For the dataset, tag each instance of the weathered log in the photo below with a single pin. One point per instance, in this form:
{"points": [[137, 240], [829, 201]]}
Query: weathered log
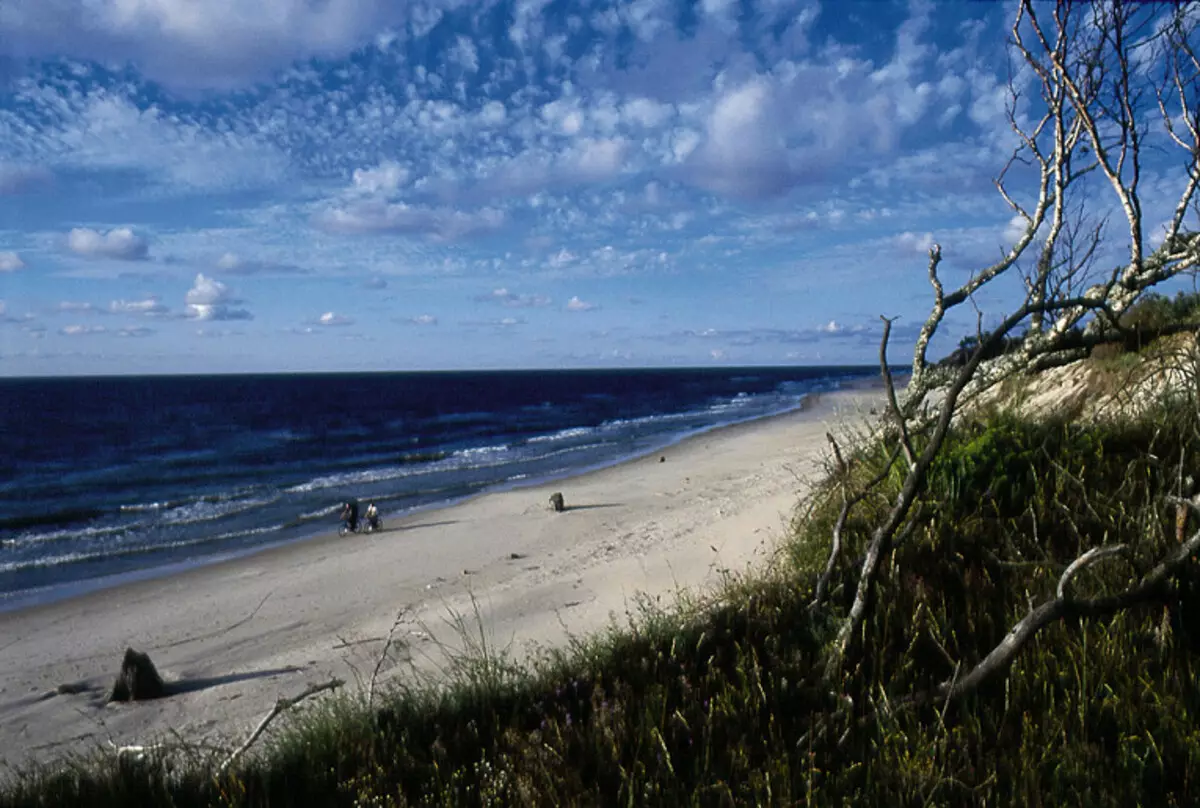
{"points": [[138, 679]]}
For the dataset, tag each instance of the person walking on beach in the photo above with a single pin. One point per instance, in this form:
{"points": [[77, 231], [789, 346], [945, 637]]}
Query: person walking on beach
{"points": [[372, 517]]}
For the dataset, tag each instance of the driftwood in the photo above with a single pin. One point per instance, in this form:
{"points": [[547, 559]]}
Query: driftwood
{"points": [[280, 706], [138, 679], [1153, 586]]}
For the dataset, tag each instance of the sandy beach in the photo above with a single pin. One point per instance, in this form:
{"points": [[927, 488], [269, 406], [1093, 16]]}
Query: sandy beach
{"points": [[231, 638]]}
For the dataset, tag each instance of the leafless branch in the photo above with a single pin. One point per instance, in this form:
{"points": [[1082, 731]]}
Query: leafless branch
{"points": [[889, 385], [280, 706], [400, 617], [848, 502], [1152, 585]]}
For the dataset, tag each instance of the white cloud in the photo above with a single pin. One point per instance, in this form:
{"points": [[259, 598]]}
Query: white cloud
{"points": [[182, 150], [207, 292], [441, 224], [646, 113], [493, 113], [81, 330], [224, 43], [1016, 227], [909, 242], [120, 243], [600, 159], [149, 307], [134, 331], [513, 300], [743, 151], [575, 304], [386, 178], [233, 264], [465, 55], [209, 299], [331, 319], [10, 262], [77, 307], [562, 258], [424, 319], [527, 23]]}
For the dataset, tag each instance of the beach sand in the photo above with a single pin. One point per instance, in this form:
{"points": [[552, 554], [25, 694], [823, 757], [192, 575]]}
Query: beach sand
{"points": [[231, 638]]}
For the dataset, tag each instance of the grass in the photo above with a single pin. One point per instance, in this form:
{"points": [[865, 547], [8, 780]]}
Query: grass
{"points": [[725, 705]]}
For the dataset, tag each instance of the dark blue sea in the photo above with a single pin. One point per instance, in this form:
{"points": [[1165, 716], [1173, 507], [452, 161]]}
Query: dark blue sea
{"points": [[108, 479]]}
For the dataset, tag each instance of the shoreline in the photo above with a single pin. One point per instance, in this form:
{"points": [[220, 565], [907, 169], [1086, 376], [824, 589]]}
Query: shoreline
{"points": [[233, 636], [21, 600]]}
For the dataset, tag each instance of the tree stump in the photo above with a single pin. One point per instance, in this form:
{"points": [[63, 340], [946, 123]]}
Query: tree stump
{"points": [[556, 502], [138, 679]]}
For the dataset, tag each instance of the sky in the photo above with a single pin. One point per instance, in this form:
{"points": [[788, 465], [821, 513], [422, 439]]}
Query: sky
{"points": [[293, 185]]}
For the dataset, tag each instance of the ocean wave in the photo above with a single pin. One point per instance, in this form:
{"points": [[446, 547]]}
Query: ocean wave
{"points": [[350, 478], [66, 559], [143, 507], [69, 534], [320, 513], [456, 461], [207, 510], [482, 451], [168, 504], [563, 434]]}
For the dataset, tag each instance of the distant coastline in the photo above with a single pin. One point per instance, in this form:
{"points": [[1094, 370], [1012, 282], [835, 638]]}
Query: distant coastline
{"points": [[209, 541]]}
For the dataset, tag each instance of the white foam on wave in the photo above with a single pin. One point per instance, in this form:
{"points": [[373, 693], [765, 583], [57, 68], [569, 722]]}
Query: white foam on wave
{"points": [[473, 458], [352, 478], [563, 434], [208, 511], [149, 506], [320, 513], [482, 451], [136, 549], [69, 533]]}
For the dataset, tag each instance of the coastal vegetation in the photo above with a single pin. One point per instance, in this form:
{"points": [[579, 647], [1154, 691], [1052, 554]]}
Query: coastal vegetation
{"points": [[982, 603]]}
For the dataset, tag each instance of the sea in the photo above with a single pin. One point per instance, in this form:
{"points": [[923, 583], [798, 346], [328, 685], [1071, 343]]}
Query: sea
{"points": [[110, 479]]}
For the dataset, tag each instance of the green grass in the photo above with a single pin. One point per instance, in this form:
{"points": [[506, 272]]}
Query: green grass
{"points": [[726, 705]]}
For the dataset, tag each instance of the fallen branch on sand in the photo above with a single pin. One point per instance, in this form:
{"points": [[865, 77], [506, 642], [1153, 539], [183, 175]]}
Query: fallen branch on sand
{"points": [[280, 706]]}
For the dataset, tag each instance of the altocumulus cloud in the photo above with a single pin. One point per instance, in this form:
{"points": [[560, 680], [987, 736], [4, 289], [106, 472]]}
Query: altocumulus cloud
{"points": [[228, 43], [120, 243], [209, 299]]}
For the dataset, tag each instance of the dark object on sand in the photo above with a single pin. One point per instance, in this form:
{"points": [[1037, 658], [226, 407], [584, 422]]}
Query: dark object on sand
{"points": [[662, 459], [556, 502], [138, 679]]}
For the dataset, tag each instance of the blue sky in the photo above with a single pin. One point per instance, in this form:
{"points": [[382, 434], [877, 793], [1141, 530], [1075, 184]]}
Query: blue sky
{"points": [[292, 185]]}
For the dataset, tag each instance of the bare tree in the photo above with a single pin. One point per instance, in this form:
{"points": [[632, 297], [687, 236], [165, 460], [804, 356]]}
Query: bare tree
{"points": [[1113, 82]]}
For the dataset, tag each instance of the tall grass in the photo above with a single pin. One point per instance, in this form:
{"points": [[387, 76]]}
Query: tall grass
{"points": [[726, 704]]}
